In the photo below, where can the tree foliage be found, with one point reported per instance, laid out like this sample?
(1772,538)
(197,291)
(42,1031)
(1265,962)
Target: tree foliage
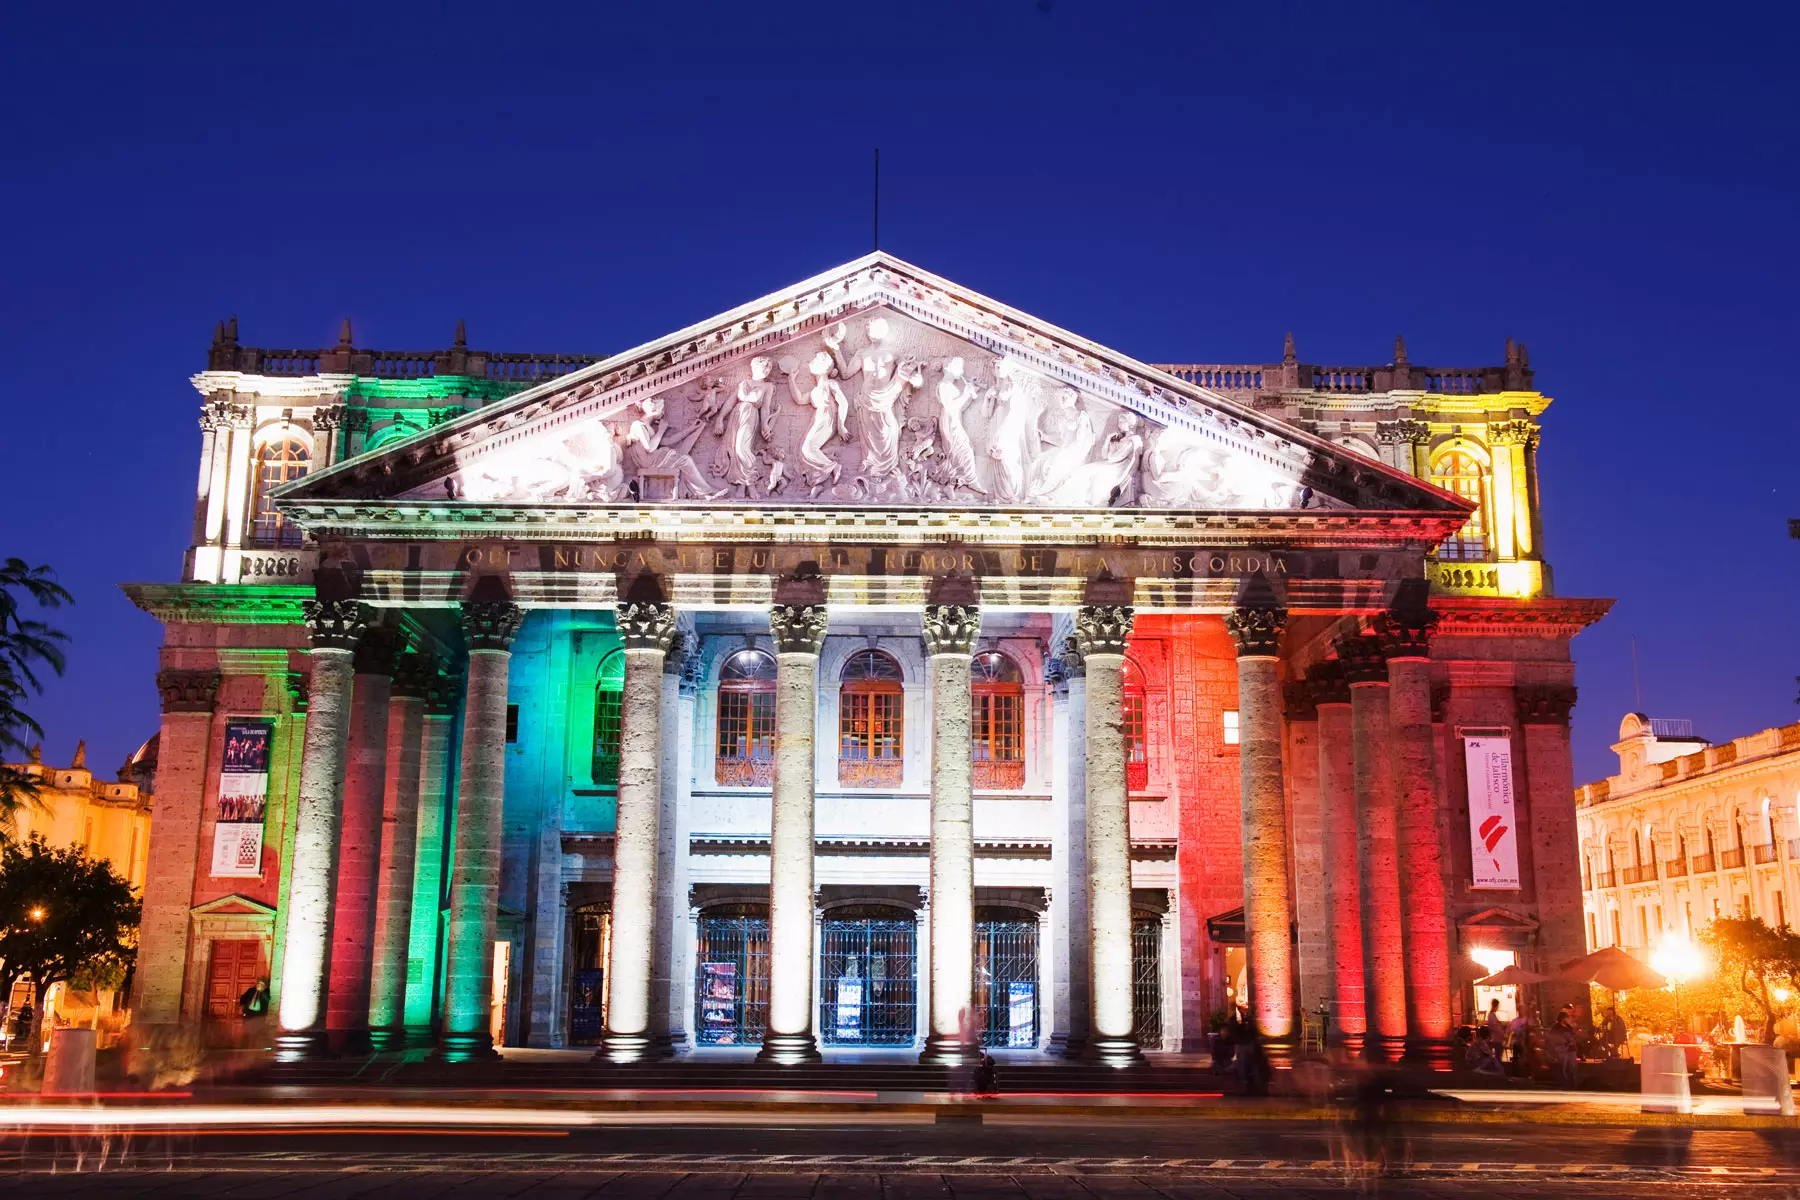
(1756,957)
(64,917)
(29,646)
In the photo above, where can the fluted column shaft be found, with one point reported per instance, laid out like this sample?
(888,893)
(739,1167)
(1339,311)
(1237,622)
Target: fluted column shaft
(399,846)
(647,629)
(488,628)
(1407,635)
(1343,893)
(1377,850)
(799,633)
(949,634)
(1101,632)
(1268,912)
(334,626)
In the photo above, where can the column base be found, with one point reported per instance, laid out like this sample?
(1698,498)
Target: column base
(1072,1045)
(948,1050)
(789,1049)
(1384,1049)
(310,1045)
(1350,1045)
(389,1037)
(623,1049)
(1431,1053)
(1115,1052)
(465,1047)
(1281,1052)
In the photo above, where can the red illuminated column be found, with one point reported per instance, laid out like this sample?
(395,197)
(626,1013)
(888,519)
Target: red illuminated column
(359,835)
(1377,849)
(1555,854)
(1343,890)
(1268,916)
(1407,634)
(399,846)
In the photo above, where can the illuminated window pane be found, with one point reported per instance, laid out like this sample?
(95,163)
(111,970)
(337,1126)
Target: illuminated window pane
(746,724)
(1228,726)
(278,462)
(1459,472)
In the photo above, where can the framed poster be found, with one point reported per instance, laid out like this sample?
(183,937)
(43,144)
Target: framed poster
(849,1009)
(243,799)
(1021,1013)
(1493,826)
(718,1003)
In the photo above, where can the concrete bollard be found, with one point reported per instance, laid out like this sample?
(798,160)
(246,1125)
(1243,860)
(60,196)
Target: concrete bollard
(1665,1081)
(1765,1081)
(69,1067)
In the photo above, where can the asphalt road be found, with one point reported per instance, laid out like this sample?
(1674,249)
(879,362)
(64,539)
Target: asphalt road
(1042,1159)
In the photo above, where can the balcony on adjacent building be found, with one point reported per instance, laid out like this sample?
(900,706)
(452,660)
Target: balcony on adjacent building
(1642,874)
(1764,853)
(1704,864)
(1606,879)
(1732,860)
(1675,868)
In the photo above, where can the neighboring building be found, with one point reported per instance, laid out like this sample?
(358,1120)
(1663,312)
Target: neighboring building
(1688,831)
(108,820)
(1037,653)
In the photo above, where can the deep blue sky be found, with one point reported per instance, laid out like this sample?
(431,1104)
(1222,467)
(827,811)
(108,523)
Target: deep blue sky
(1614,184)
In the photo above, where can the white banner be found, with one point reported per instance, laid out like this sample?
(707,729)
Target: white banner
(1493,826)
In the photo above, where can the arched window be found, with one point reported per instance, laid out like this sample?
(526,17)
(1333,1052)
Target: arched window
(999,722)
(870,721)
(608,690)
(1460,472)
(746,720)
(1137,749)
(279,461)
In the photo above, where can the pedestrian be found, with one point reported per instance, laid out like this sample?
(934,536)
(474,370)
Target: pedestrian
(255,1000)
(985,1075)
(1495,1026)
(1252,1062)
(1615,1033)
(1562,1051)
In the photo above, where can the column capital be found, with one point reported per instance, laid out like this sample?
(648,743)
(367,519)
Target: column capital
(1364,659)
(1256,629)
(378,651)
(1545,705)
(1327,683)
(187,691)
(334,624)
(442,694)
(1406,633)
(1103,628)
(1297,701)
(798,628)
(951,628)
(491,624)
(645,624)
(414,673)
(672,657)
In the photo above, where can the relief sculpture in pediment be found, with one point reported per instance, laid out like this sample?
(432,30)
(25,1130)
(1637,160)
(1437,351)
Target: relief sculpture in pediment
(878,409)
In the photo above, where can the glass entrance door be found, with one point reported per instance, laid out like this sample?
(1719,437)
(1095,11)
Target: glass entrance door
(1006,977)
(868,978)
(731,976)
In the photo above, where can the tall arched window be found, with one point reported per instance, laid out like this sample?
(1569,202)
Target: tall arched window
(870,721)
(1137,748)
(608,690)
(1460,472)
(278,461)
(999,722)
(746,720)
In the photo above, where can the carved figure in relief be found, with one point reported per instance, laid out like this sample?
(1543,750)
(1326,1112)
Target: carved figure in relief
(830,411)
(1111,479)
(887,381)
(1012,435)
(954,394)
(751,418)
(647,454)
(1067,431)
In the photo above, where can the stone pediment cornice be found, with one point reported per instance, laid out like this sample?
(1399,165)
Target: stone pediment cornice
(1336,478)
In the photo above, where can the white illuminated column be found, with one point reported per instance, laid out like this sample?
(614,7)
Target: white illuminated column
(1268,915)
(237,493)
(647,629)
(949,633)
(1101,631)
(488,630)
(799,634)
(399,847)
(334,626)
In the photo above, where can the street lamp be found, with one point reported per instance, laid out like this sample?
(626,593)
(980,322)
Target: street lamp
(37,914)
(1677,960)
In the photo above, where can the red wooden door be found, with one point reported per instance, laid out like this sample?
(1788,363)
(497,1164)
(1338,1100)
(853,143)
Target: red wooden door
(235,968)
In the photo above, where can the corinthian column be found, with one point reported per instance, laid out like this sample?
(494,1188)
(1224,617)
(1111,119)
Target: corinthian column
(1101,632)
(647,629)
(1377,852)
(1407,638)
(399,845)
(335,626)
(799,633)
(949,634)
(488,629)
(1343,894)
(1268,914)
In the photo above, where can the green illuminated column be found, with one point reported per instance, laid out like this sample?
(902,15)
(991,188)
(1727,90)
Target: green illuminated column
(334,626)
(488,629)
(949,632)
(399,844)
(799,634)
(646,628)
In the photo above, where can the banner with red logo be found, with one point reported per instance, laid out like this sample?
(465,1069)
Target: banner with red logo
(1493,824)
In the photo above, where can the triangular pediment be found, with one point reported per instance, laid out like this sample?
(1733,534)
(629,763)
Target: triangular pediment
(873,385)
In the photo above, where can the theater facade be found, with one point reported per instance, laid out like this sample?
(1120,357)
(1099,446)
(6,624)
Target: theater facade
(873,665)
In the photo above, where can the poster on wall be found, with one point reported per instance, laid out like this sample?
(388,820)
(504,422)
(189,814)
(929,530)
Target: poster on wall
(243,796)
(718,1003)
(1021,1013)
(849,1009)
(1493,827)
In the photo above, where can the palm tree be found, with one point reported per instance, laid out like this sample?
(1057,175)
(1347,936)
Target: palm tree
(27,646)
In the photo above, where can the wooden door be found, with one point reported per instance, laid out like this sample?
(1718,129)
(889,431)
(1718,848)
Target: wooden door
(236,966)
